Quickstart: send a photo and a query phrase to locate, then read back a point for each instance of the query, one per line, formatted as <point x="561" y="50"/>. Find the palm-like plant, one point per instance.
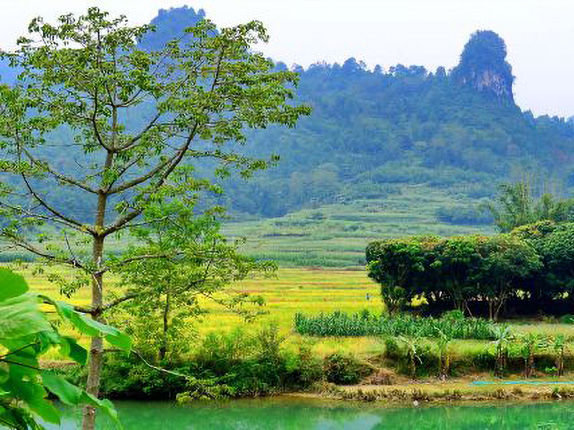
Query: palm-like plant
<point x="443" y="342"/>
<point x="501" y="344"/>
<point x="559" y="346"/>
<point x="529" y="345"/>
<point x="412" y="352"/>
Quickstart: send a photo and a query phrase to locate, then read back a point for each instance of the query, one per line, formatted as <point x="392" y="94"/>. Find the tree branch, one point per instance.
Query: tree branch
<point x="56" y="174"/>
<point x="51" y="209"/>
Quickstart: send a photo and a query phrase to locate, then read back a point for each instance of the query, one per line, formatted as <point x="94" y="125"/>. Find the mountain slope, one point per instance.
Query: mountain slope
<point x="371" y="132"/>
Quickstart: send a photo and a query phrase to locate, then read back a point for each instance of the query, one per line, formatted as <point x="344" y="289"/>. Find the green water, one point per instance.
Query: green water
<point x="289" y="414"/>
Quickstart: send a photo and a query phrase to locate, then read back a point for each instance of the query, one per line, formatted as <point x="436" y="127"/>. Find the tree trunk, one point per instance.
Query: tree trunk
<point x="498" y="305"/>
<point x="97" y="343"/>
<point x="166" y="310"/>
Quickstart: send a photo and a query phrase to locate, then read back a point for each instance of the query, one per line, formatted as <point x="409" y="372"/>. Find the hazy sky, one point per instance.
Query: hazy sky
<point x="539" y="33"/>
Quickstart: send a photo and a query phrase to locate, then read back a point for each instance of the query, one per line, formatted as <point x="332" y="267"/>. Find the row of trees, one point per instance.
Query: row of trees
<point x="533" y="264"/>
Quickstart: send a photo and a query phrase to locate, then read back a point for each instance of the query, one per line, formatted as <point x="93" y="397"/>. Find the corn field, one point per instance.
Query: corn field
<point x="369" y="324"/>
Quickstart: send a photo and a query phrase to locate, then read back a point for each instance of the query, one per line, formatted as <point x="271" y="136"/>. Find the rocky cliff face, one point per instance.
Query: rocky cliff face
<point x="483" y="66"/>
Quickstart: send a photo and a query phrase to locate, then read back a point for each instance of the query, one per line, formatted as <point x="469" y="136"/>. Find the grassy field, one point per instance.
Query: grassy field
<point x="292" y="290"/>
<point x="336" y="235"/>
<point x="310" y="291"/>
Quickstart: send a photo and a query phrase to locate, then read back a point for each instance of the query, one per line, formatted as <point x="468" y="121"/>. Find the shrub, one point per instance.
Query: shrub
<point x="345" y="369"/>
<point x="130" y="378"/>
<point x="567" y="319"/>
<point x="304" y="369"/>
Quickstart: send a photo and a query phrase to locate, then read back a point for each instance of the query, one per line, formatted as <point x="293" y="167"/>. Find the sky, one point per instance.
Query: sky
<point x="539" y="33"/>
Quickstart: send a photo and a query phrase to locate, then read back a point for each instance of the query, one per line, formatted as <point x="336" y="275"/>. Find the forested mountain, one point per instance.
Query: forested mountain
<point x="373" y="131"/>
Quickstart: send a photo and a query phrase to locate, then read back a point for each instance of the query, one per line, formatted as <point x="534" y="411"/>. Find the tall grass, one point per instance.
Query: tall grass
<point x="369" y="324"/>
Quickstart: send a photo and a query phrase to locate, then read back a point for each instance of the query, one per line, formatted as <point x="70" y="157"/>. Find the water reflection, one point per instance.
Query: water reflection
<point x="286" y="414"/>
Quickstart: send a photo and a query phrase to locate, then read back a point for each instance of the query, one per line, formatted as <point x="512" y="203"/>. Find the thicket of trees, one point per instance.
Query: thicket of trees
<point x="530" y="268"/>
<point x="517" y="205"/>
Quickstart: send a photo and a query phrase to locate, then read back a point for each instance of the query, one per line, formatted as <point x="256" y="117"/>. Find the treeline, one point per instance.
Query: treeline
<point x="527" y="271"/>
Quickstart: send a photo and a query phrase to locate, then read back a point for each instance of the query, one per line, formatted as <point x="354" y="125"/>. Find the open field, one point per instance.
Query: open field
<point x="336" y="235"/>
<point x="292" y="290"/>
<point x="310" y="291"/>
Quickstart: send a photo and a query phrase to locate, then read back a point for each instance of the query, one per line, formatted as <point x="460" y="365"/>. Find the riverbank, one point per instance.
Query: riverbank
<point x="459" y="390"/>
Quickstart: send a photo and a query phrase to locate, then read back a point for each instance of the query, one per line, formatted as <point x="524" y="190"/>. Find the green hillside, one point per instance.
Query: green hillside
<point x="336" y="235"/>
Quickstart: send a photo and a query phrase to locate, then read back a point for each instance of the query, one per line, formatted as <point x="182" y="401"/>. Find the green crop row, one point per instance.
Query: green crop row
<point x="369" y="324"/>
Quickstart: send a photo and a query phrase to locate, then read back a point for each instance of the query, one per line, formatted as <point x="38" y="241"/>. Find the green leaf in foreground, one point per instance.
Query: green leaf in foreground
<point x="11" y="284"/>
<point x="91" y="327"/>
<point x="25" y="335"/>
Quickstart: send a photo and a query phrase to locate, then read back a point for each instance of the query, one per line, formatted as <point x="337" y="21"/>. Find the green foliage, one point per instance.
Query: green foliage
<point x="516" y="205"/>
<point x="366" y="324"/>
<point x="225" y="365"/>
<point x="192" y="261"/>
<point x="396" y="265"/>
<point x="461" y="270"/>
<point x="463" y="215"/>
<point x="345" y="369"/>
<point x="528" y="345"/>
<point x="567" y="319"/>
<point x="25" y="335"/>
<point x="558" y="345"/>
<point x="252" y="365"/>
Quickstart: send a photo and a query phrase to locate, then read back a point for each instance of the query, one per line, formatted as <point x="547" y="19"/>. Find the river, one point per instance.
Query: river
<point x="305" y="414"/>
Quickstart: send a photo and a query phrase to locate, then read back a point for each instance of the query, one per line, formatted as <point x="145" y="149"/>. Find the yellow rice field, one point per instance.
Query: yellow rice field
<point x="290" y="291"/>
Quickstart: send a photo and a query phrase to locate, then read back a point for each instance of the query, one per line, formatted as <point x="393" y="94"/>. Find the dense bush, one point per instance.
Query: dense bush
<point x="234" y="364"/>
<point x="367" y="324"/>
<point x="530" y="267"/>
<point x="463" y="215"/>
<point x="345" y="369"/>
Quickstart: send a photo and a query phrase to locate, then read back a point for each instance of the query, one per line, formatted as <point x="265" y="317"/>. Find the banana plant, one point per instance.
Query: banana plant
<point x="443" y="342"/>
<point x="559" y="347"/>
<point x="503" y="337"/>
<point x="25" y="335"/>
<point x="412" y="352"/>
<point x="529" y="345"/>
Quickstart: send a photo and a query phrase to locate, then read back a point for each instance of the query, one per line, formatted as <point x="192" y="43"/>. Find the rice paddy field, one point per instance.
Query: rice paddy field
<point x="306" y="290"/>
<point x="290" y="291"/>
